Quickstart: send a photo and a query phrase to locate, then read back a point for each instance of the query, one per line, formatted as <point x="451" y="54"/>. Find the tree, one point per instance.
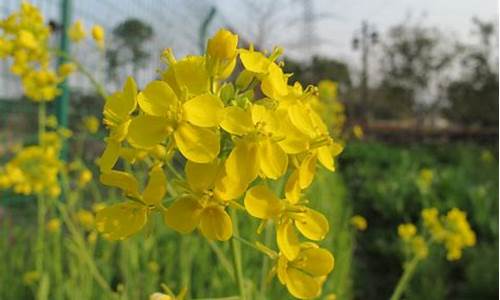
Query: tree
<point x="129" y="38"/>
<point x="414" y="63"/>
<point x="473" y="98"/>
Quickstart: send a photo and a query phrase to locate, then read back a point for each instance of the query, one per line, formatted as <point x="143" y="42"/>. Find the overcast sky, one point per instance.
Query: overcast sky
<point x="337" y="20"/>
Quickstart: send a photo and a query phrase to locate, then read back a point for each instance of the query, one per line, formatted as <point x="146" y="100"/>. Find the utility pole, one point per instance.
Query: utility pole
<point x="62" y="102"/>
<point x="363" y="41"/>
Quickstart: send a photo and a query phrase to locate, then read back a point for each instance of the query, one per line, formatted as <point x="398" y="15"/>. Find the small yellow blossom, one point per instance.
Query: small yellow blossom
<point x="66" y="69"/>
<point x="91" y="123"/>
<point x="84" y="177"/>
<point x="407" y="231"/>
<point x="358" y="132"/>
<point x="419" y="247"/>
<point x="54" y="225"/>
<point x="359" y="222"/>
<point x="85" y="218"/>
<point x="98" y="35"/>
<point x="77" y="31"/>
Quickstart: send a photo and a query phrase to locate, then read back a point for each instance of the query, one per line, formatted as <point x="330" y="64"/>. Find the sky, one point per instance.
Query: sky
<point x="336" y="21"/>
<point x="265" y="22"/>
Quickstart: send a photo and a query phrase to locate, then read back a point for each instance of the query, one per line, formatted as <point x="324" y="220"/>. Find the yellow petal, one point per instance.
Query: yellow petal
<point x="183" y="215"/>
<point x="273" y="161"/>
<point x="156" y="188"/>
<point x="147" y="131"/>
<point x="191" y="75"/>
<point x="307" y="170"/>
<point x="274" y="85"/>
<point x="157" y="99"/>
<point x="312" y="224"/>
<point x="242" y="165"/>
<point x="201" y="176"/>
<point x="215" y="224"/>
<point x="292" y="188"/>
<point x="295" y="141"/>
<point x="205" y="110"/>
<point x="302" y="285"/>
<point x="122" y="180"/>
<point x="325" y="158"/>
<point x="287" y="239"/>
<point x="318" y="261"/>
<point x="110" y="155"/>
<point x="300" y="117"/>
<point x="130" y="94"/>
<point x="228" y="187"/>
<point x="261" y="203"/>
<point x="120" y="104"/>
<point x="237" y="120"/>
<point x="120" y="221"/>
<point x="197" y="144"/>
<point x="254" y="61"/>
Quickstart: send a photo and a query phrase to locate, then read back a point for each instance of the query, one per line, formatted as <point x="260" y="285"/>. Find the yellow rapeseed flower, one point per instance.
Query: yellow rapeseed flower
<point x="53" y="225"/>
<point x="359" y="222"/>
<point x="91" y="123"/>
<point x="76" y="32"/>
<point x="407" y="231"/>
<point x="98" y="35"/>
<point x="305" y="274"/>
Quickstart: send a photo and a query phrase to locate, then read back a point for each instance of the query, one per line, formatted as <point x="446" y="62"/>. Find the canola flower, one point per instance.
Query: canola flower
<point x="450" y="231"/>
<point x="359" y="222"/>
<point x="24" y="40"/>
<point x="235" y="136"/>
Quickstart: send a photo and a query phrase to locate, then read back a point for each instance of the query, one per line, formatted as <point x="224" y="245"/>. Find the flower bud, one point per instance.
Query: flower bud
<point x="223" y="45"/>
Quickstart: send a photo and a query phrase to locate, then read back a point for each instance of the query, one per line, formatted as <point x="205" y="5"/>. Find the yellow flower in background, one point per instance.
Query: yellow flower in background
<point x="358" y="132"/>
<point x="359" y="222"/>
<point x="459" y="234"/>
<point x="51" y="121"/>
<point x="91" y="123"/>
<point x="85" y="177"/>
<point x="304" y="276"/>
<point x="85" y="218"/>
<point x="419" y="247"/>
<point x="407" y="231"/>
<point x="34" y="170"/>
<point x="98" y="35"/>
<point x="54" y="225"/>
<point x="425" y="179"/>
<point x="430" y="218"/>
<point x="66" y="69"/>
<point x="77" y="32"/>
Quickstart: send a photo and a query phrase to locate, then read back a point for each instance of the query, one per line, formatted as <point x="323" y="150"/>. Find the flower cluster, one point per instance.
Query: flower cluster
<point x="235" y="136"/>
<point x="78" y="33"/>
<point x="34" y="169"/>
<point x="24" y="37"/>
<point x="329" y="107"/>
<point x="451" y="230"/>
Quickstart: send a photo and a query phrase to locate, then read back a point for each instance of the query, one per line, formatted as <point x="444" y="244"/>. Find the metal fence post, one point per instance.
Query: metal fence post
<point x="62" y="102"/>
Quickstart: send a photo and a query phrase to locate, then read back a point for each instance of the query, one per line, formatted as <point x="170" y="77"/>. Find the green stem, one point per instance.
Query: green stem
<point x="236" y="248"/>
<point x="99" y="88"/>
<point x="40" y="242"/>
<point x="409" y="270"/>
<point x="41" y="205"/>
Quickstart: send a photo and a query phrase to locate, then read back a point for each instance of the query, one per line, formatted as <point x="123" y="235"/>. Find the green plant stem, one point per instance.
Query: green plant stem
<point x="409" y="270"/>
<point x="41" y="205"/>
<point x="236" y="248"/>
<point x="98" y="87"/>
